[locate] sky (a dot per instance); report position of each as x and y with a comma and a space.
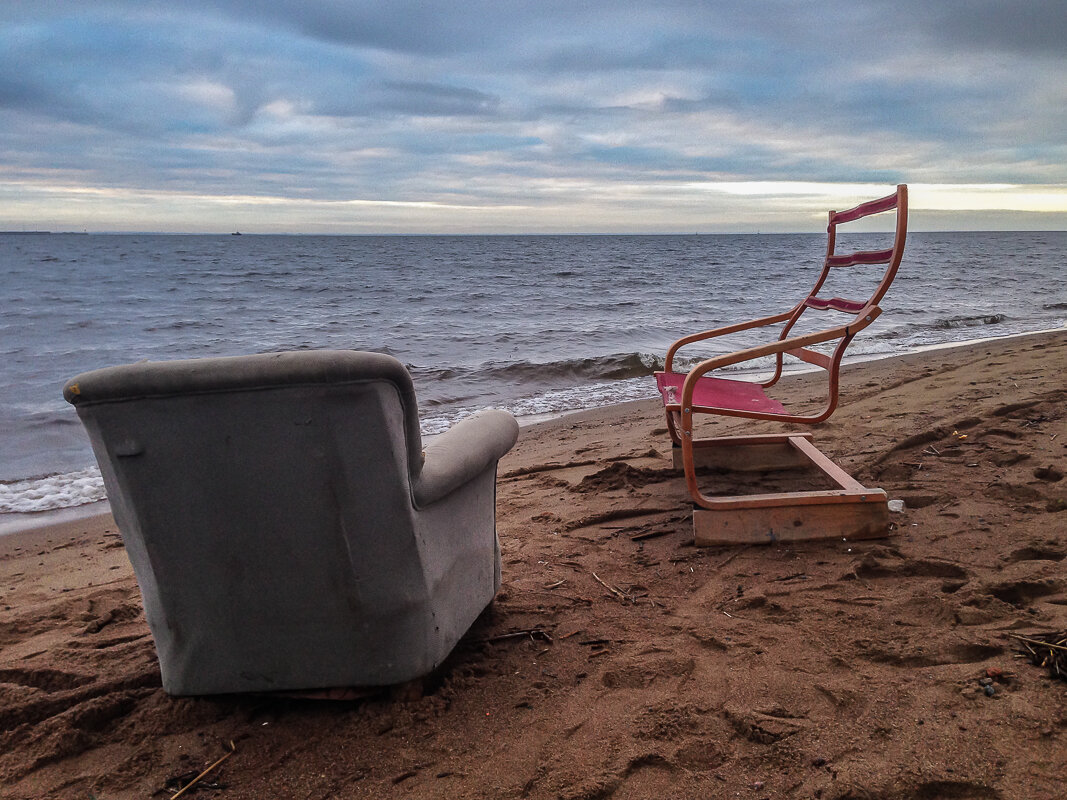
492, 116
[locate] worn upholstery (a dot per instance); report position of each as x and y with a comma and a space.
286, 527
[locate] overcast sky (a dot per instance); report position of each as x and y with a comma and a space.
342, 116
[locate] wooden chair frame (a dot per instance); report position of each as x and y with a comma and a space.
851, 509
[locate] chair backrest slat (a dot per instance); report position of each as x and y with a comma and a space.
812, 357
890, 256
864, 210
836, 304
861, 257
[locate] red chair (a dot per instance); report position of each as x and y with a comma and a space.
686, 395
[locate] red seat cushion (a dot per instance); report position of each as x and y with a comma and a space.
718, 393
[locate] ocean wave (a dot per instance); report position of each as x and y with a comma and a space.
447, 400
555, 402
64, 490
592, 394
48, 419
181, 324
969, 322
614, 367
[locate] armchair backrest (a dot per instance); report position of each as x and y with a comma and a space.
265, 501
159, 381
890, 256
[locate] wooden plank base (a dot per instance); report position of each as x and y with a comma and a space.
745, 453
849, 512
792, 523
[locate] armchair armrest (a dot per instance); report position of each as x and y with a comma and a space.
863, 319
728, 329
462, 452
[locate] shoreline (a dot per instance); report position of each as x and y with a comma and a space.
15, 522
20, 522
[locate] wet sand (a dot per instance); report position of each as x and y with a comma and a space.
620, 661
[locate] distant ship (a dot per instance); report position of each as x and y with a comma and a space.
235, 233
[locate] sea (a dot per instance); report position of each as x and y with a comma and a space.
537, 325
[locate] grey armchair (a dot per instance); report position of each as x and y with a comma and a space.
285, 525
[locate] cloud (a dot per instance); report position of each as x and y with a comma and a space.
1038, 27
526, 105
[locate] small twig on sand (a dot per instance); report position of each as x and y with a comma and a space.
1048, 650
1040, 643
738, 551
649, 535
617, 592
611, 516
522, 471
533, 633
202, 775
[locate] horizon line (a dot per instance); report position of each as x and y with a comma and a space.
504, 233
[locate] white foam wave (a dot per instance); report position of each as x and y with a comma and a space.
558, 401
51, 492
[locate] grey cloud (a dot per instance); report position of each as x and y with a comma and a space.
1030, 27
289, 98
403, 26
414, 98
429, 98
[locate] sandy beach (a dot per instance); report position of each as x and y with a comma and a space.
619, 660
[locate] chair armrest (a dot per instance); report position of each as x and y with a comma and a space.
863, 319
728, 329
462, 453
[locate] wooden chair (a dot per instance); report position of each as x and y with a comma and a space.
851, 509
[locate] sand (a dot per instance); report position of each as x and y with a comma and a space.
620, 661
